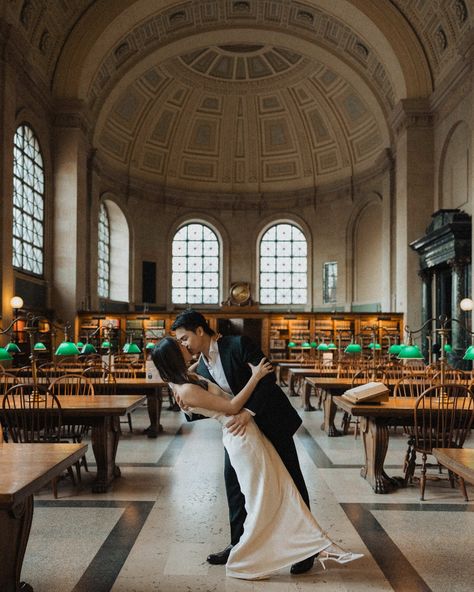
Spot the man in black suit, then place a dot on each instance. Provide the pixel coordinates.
(225, 362)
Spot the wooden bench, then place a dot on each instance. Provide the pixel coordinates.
(458, 460)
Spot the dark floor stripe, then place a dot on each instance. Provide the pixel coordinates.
(314, 450)
(104, 569)
(172, 451)
(399, 572)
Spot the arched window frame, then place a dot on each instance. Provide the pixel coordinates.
(178, 283)
(264, 269)
(28, 202)
(103, 253)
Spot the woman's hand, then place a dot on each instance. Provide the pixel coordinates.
(262, 369)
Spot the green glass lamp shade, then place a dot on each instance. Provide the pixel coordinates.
(469, 355)
(133, 349)
(410, 352)
(79, 345)
(322, 347)
(150, 345)
(374, 346)
(353, 348)
(395, 349)
(88, 348)
(67, 348)
(306, 344)
(332, 345)
(125, 348)
(39, 346)
(105, 344)
(313, 344)
(12, 348)
(448, 348)
(4, 355)
(291, 344)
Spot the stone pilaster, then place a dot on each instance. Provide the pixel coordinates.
(412, 123)
(71, 213)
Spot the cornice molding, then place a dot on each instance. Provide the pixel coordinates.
(454, 87)
(119, 183)
(411, 113)
(72, 114)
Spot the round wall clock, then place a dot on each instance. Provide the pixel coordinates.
(240, 293)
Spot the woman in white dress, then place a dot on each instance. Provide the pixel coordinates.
(279, 529)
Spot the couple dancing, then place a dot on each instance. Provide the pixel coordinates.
(270, 521)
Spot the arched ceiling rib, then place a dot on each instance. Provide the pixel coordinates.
(240, 95)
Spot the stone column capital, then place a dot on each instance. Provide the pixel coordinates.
(411, 113)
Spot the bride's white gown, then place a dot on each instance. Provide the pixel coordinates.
(279, 529)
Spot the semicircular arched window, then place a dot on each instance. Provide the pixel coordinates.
(195, 265)
(103, 253)
(283, 265)
(28, 202)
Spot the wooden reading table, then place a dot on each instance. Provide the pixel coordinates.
(102, 413)
(25, 468)
(374, 420)
(458, 460)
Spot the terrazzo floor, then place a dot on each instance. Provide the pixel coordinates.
(154, 528)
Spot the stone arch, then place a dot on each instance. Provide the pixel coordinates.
(224, 245)
(120, 250)
(295, 220)
(364, 253)
(454, 167)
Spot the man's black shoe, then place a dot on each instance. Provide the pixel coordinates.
(221, 557)
(302, 566)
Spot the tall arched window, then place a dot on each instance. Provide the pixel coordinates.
(103, 264)
(283, 265)
(28, 202)
(195, 265)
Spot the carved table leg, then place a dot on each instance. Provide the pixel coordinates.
(291, 384)
(375, 436)
(154, 404)
(105, 437)
(306, 397)
(329, 416)
(15, 525)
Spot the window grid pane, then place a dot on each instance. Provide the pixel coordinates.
(103, 265)
(195, 265)
(329, 282)
(283, 266)
(28, 202)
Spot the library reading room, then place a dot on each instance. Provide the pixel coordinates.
(236, 319)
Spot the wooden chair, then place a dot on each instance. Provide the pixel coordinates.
(443, 417)
(33, 416)
(48, 371)
(451, 375)
(7, 380)
(127, 371)
(70, 385)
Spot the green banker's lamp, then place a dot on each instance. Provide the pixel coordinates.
(66, 347)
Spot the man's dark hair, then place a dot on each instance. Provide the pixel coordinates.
(190, 320)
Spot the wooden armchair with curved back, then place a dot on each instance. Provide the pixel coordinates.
(443, 418)
(33, 415)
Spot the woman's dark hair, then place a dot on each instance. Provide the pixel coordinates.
(168, 358)
(190, 320)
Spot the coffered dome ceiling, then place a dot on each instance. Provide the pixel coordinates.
(241, 117)
(239, 95)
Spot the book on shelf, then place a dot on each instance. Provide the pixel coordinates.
(371, 392)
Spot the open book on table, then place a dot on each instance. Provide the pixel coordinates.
(371, 392)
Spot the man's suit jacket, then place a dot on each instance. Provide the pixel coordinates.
(274, 414)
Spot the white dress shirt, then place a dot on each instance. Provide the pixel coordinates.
(214, 364)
